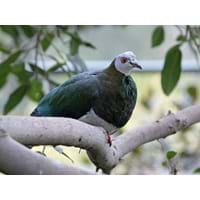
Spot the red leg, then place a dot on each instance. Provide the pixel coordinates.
(109, 140)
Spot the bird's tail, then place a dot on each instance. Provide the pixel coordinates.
(36, 113)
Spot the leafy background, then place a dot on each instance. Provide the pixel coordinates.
(34, 59)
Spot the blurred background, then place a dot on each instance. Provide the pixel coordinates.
(35, 59)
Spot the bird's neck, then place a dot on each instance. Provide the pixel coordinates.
(112, 72)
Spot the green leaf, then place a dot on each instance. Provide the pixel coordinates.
(88, 44)
(20, 72)
(74, 46)
(171, 70)
(3, 49)
(5, 67)
(193, 92)
(35, 91)
(181, 38)
(2, 82)
(12, 58)
(4, 71)
(29, 31)
(52, 82)
(196, 171)
(170, 154)
(37, 69)
(55, 67)
(10, 30)
(76, 41)
(74, 36)
(158, 36)
(15, 98)
(46, 41)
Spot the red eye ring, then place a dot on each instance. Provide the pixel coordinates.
(123, 60)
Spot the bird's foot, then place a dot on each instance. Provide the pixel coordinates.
(109, 139)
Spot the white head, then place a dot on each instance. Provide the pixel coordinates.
(126, 62)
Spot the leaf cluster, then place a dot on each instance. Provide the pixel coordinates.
(26, 54)
(171, 72)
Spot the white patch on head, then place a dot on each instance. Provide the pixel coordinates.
(123, 62)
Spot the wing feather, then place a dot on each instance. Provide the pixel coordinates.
(73, 98)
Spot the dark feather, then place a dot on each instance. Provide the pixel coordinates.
(109, 93)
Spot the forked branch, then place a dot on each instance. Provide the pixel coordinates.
(70, 132)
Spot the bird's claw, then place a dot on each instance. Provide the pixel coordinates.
(109, 140)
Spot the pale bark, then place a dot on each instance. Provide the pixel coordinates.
(70, 132)
(17, 159)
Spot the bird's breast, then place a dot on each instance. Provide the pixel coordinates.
(116, 101)
(92, 118)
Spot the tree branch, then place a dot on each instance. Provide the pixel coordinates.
(17, 159)
(70, 132)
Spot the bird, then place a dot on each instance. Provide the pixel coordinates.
(104, 98)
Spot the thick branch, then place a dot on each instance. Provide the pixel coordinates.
(17, 159)
(70, 132)
(168, 125)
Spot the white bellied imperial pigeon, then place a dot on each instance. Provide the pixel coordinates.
(105, 98)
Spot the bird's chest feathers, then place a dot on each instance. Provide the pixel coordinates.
(119, 95)
(92, 118)
(116, 101)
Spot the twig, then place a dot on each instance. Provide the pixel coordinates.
(37, 46)
(171, 163)
(37, 50)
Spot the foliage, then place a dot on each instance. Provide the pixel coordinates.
(171, 72)
(196, 171)
(158, 36)
(27, 51)
(170, 154)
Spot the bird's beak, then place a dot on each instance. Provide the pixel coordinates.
(136, 65)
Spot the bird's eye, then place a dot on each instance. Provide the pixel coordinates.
(123, 59)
